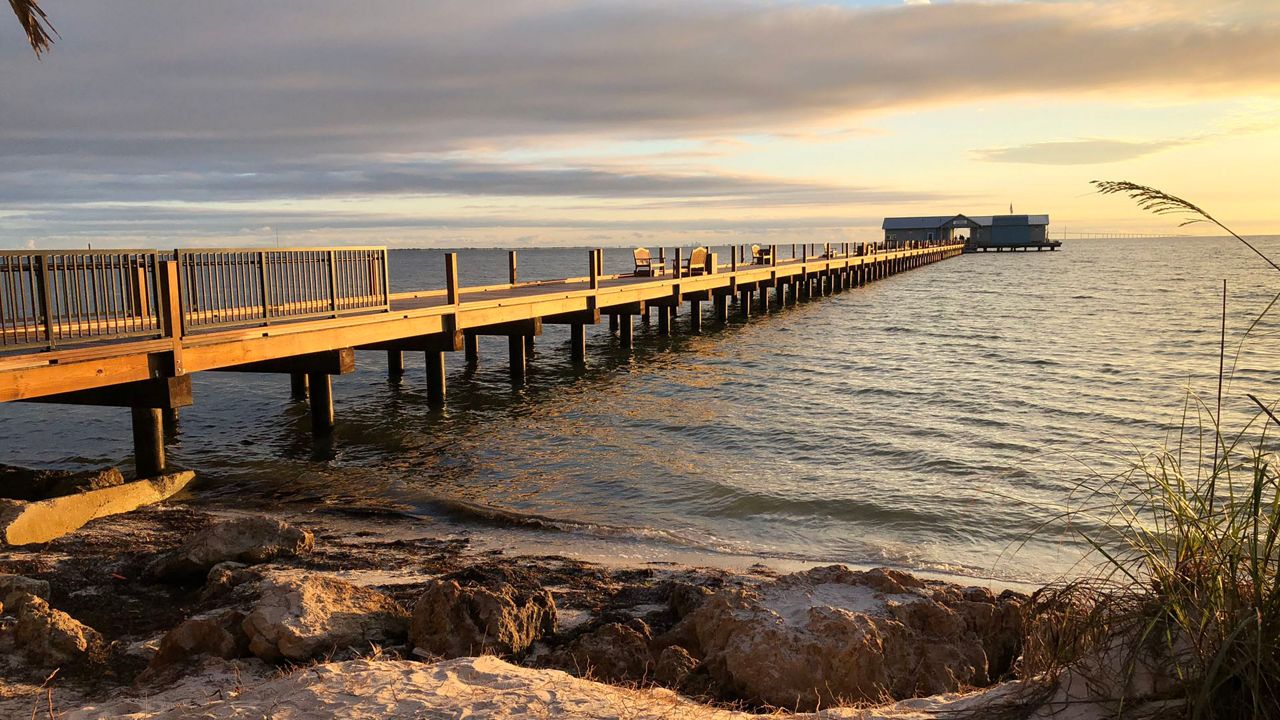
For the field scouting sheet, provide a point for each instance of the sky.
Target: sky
(518, 123)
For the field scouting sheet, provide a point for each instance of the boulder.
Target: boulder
(86, 481)
(49, 637)
(17, 583)
(18, 483)
(299, 618)
(220, 634)
(462, 615)
(685, 598)
(674, 666)
(613, 652)
(832, 635)
(250, 540)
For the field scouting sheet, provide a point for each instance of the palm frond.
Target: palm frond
(1159, 202)
(35, 23)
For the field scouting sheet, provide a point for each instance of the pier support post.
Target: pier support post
(664, 320)
(578, 342)
(744, 303)
(395, 364)
(298, 386)
(764, 300)
(720, 306)
(626, 335)
(435, 377)
(471, 348)
(321, 386)
(169, 421)
(528, 344)
(148, 441)
(695, 316)
(516, 351)
(613, 323)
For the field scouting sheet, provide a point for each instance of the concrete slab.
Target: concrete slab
(24, 523)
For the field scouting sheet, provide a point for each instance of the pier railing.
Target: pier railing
(229, 287)
(62, 297)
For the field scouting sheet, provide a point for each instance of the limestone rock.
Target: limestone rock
(686, 597)
(218, 634)
(674, 666)
(50, 637)
(84, 482)
(20, 483)
(480, 616)
(298, 618)
(613, 652)
(17, 583)
(250, 540)
(832, 635)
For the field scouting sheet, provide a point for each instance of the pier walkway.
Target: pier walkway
(127, 328)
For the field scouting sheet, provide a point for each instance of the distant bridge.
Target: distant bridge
(1110, 234)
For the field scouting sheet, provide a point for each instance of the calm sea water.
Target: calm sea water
(932, 420)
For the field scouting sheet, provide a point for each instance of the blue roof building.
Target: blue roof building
(977, 232)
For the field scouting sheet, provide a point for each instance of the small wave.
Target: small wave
(466, 511)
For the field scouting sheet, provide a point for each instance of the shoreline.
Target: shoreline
(497, 529)
(598, 593)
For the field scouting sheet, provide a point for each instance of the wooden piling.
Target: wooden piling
(578, 342)
(298, 386)
(516, 352)
(435, 377)
(321, 388)
(148, 441)
(471, 348)
(395, 364)
(626, 335)
(695, 316)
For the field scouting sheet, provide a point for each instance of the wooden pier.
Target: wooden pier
(1049, 245)
(127, 328)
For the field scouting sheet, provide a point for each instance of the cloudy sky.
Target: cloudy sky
(559, 122)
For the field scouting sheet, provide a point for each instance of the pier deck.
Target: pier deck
(128, 328)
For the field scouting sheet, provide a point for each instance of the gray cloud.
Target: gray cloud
(1076, 152)
(429, 178)
(231, 100)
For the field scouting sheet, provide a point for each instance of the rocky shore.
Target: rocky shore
(173, 612)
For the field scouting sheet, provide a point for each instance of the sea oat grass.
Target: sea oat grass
(1187, 601)
(1183, 611)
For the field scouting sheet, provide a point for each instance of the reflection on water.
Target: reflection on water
(891, 424)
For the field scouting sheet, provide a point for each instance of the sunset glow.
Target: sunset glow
(569, 123)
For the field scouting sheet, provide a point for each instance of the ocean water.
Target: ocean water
(934, 420)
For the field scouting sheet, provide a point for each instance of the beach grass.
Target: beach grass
(1182, 612)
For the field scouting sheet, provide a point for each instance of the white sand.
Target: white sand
(465, 688)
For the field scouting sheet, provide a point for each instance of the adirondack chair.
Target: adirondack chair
(697, 262)
(645, 266)
(761, 255)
